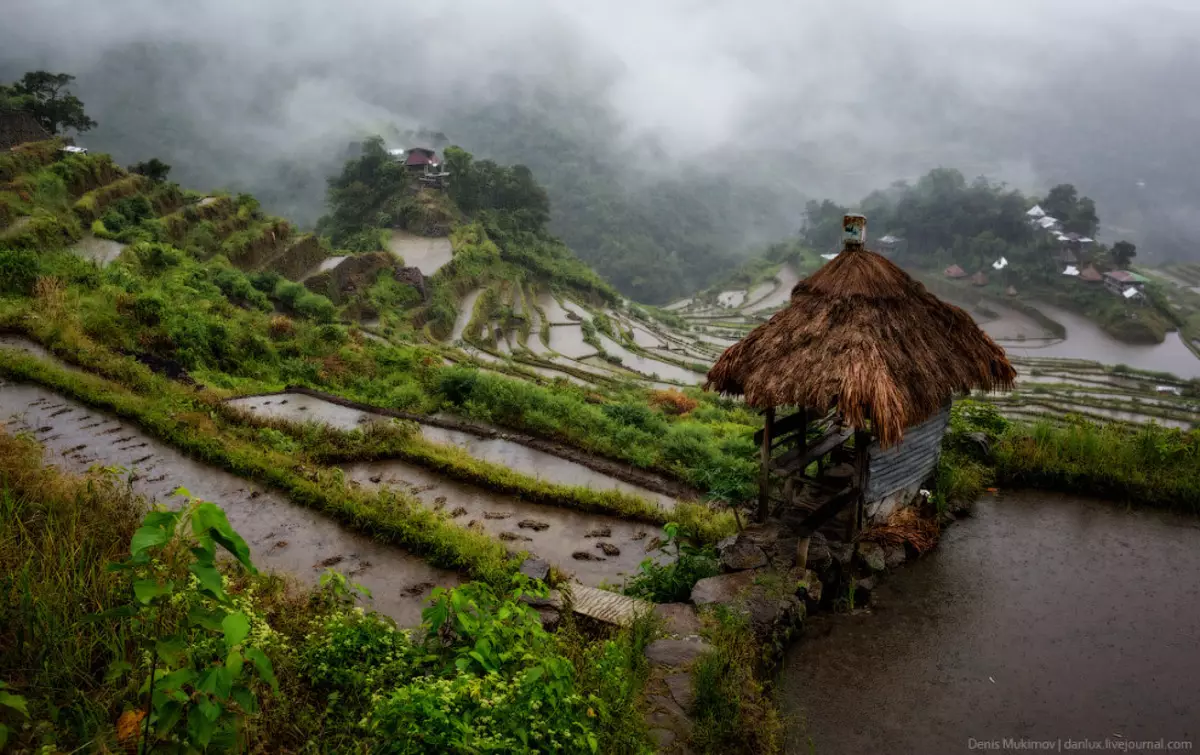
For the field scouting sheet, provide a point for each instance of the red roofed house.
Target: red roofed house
(421, 160)
(1118, 281)
(1090, 274)
(956, 272)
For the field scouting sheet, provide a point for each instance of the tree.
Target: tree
(1060, 202)
(46, 97)
(154, 169)
(1123, 253)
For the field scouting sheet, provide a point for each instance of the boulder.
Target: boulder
(676, 653)
(742, 556)
(872, 555)
(812, 587)
(894, 556)
(550, 617)
(723, 588)
(678, 618)
(863, 589)
(536, 568)
(842, 553)
(819, 555)
(680, 686)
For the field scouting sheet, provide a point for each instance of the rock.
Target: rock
(609, 549)
(460, 511)
(742, 556)
(841, 552)
(678, 618)
(586, 556)
(680, 686)
(550, 617)
(723, 588)
(726, 542)
(663, 738)
(863, 589)
(639, 535)
(510, 537)
(675, 653)
(894, 556)
(654, 544)
(872, 556)
(536, 568)
(600, 532)
(533, 524)
(772, 615)
(819, 555)
(553, 600)
(497, 514)
(981, 446)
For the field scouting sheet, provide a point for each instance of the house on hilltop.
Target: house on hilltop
(1090, 275)
(1120, 282)
(864, 352)
(19, 127)
(426, 165)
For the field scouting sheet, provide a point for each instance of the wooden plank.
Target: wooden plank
(799, 458)
(764, 480)
(788, 424)
(826, 511)
(606, 606)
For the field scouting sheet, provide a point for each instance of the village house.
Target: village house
(1120, 282)
(869, 357)
(955, 272)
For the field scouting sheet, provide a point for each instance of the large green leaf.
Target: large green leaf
(216, 681)
(146, 590)
(167, 716)
(210, 620)
(148, 537)
(171, 649)
(200, 728)
(210, 580)
(15, 702)
(209, 520)
(236, 627)
(263, 664)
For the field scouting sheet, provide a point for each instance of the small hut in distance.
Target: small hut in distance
(863, 354)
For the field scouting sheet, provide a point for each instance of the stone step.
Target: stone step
(608, 607)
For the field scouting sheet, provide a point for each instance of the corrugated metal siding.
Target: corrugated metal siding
(909, 461)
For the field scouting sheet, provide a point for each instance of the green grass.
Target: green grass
(341, 671)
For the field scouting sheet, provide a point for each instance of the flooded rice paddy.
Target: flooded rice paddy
(427, 254)
(299, 407)
(282, 536)
(100, 251)
(1040, 617)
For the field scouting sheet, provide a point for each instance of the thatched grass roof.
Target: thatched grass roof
(860, 335)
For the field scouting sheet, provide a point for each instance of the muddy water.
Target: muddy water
(100, 251)
(677, 305)
(758, 292)
(732, 299)
(299, 407)
(328, 263)
(534, 341)
(422, 252)
(550, 533)
(554, 311)
(1086, 340)
(282, 536)
(1040, 617)
(466, 309)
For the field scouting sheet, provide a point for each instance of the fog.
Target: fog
(807, 99)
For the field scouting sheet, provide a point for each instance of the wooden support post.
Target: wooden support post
(862, 471)
(764, 480)
(802, 554)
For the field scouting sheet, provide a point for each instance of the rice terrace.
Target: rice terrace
(415, 477)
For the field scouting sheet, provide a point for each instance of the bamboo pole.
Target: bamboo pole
(764, 480)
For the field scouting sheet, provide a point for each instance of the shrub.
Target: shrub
(156, 258)
(672, 401)
(316, 307)
(672, 582)
(281, 327)
(148, 309)
(19, 269)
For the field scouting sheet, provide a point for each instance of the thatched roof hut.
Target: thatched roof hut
(954, 271)
(863, 337)
(979, 279)
(1010, 291)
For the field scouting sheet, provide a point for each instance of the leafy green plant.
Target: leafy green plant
(10, 702)
(205, 659)
(672, 582)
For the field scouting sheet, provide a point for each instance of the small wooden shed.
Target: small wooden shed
(862, 355)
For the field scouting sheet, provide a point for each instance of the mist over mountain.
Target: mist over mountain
(670, 135)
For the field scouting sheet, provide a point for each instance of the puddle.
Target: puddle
(466, 309)
(100, 251)
(552, 533)
(1039, 617)
(282, 536)
(534, 341)
(427, 254)
(299, 407)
